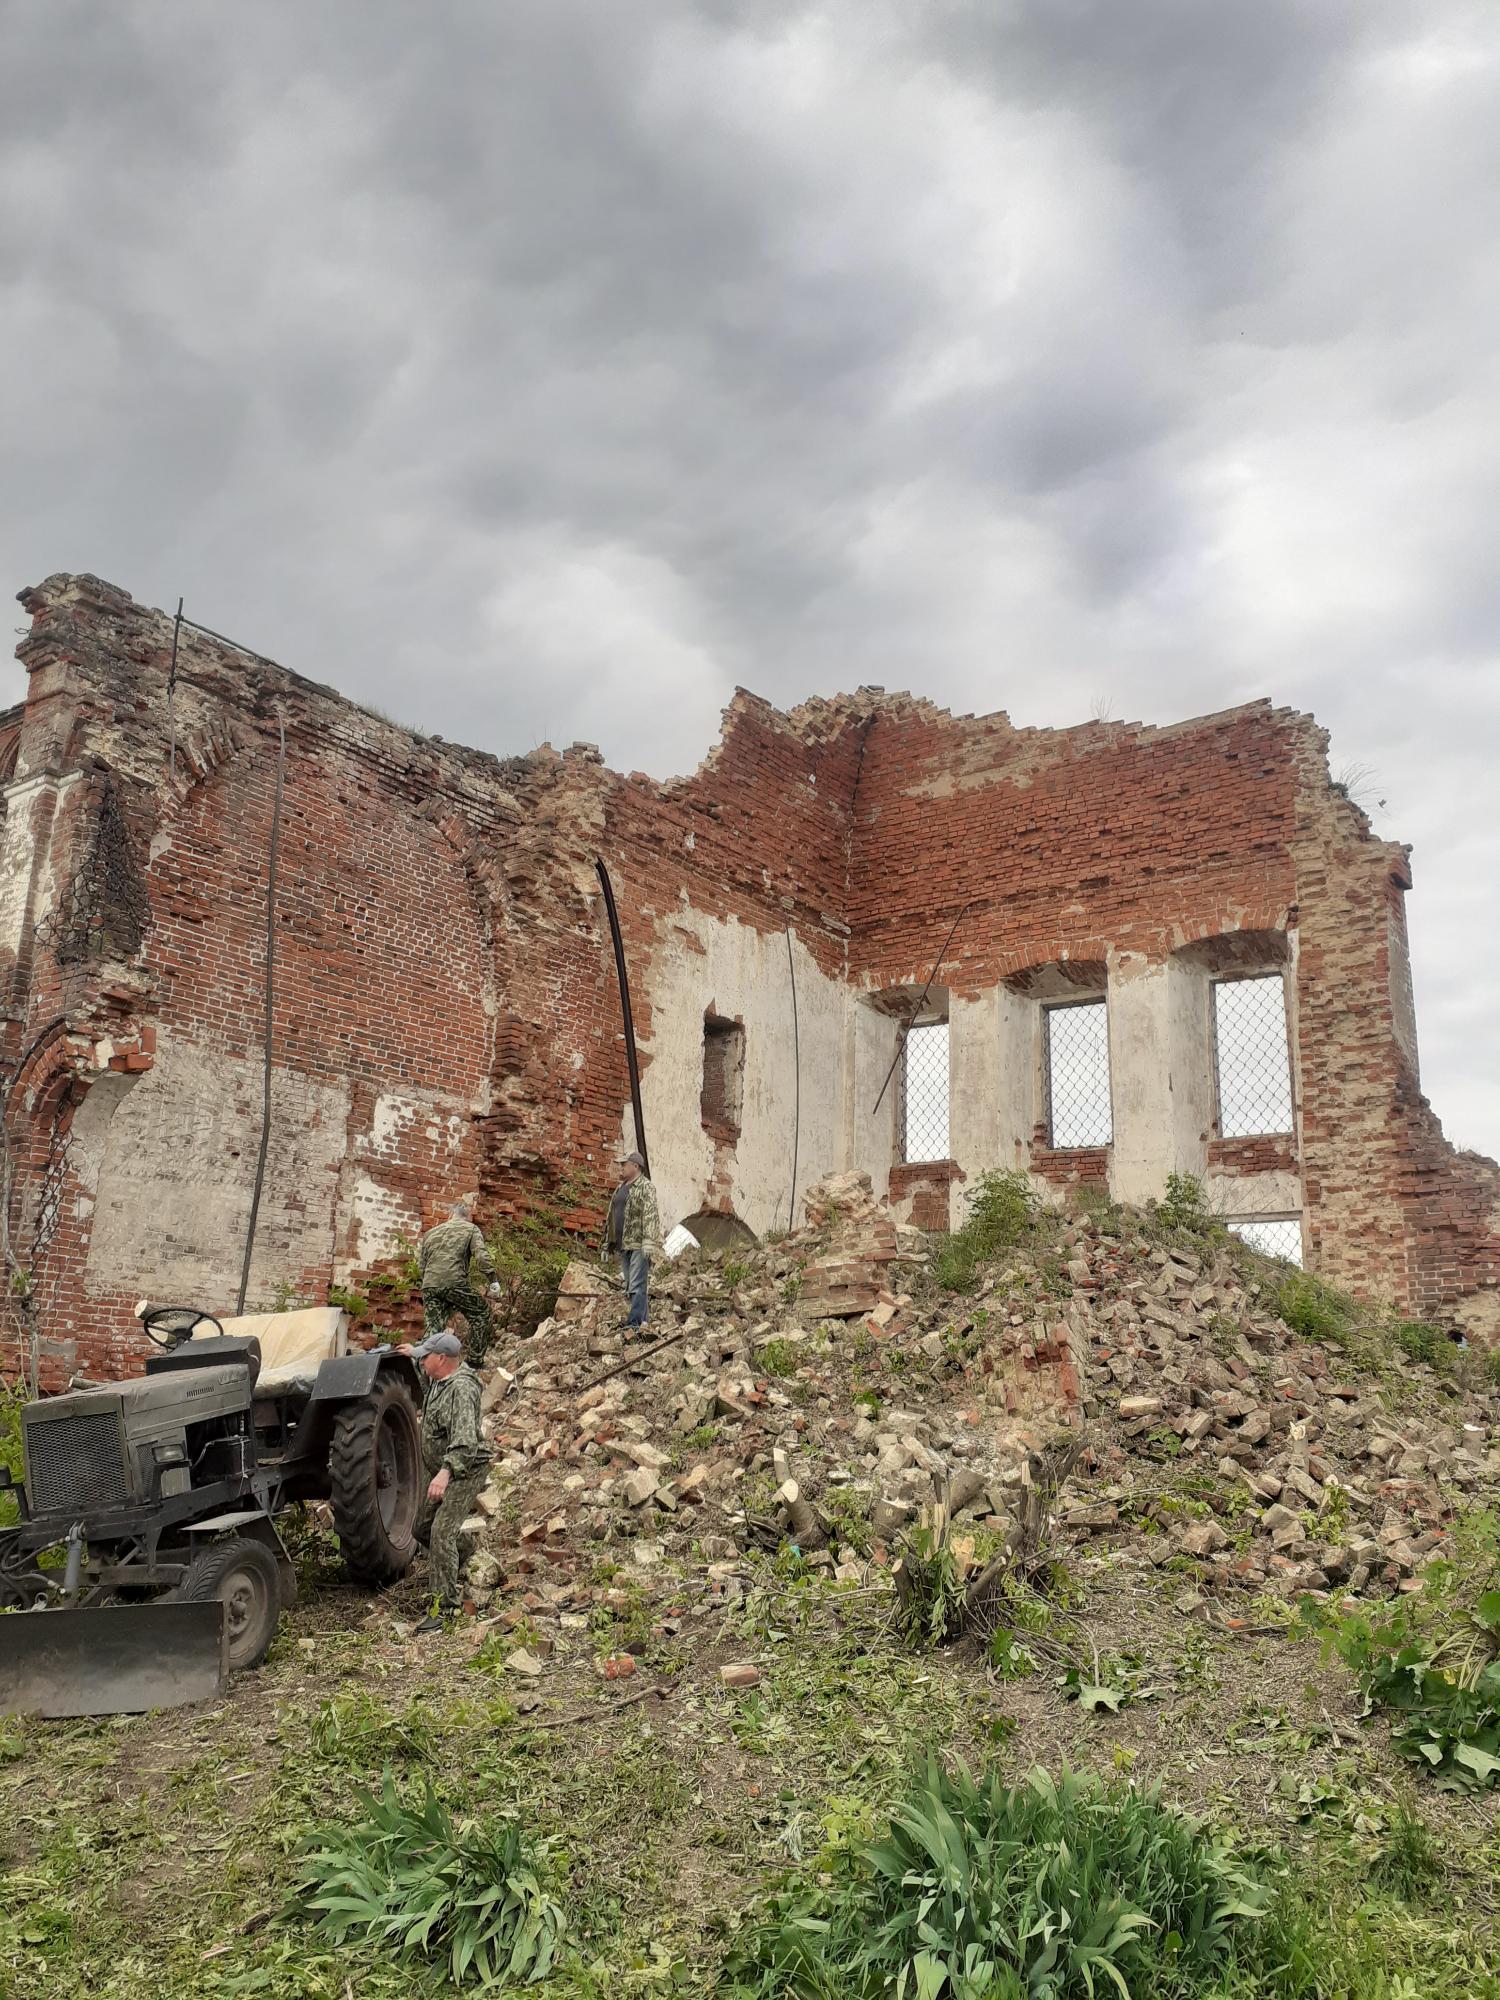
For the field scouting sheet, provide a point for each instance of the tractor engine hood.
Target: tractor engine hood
(96, 1449)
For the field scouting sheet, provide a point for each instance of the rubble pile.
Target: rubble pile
(1314, 1475)
(821, 1391)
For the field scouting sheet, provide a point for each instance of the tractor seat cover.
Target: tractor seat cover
(293, 1345)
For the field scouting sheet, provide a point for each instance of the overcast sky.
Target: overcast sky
(546, 368)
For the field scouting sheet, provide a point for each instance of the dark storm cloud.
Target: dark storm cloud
(547, 369)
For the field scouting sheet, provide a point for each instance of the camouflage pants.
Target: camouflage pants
(439, 1526)
(438, 1308)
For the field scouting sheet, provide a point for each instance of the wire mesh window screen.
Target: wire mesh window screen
(1078, 1106)
(1253, 1060)
(1272, 1239)
(924, 1093)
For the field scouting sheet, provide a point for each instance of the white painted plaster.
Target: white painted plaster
(175, 1170)
(742, 974)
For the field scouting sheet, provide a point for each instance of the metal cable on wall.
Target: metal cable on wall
(791, 1220)
(265, 1116)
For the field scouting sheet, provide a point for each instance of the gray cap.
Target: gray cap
(635, 1160)
(438, 1343)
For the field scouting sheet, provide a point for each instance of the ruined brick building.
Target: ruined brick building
(1176, 949)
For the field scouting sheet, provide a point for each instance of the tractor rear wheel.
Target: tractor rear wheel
(375, 1482)
(243, 1576)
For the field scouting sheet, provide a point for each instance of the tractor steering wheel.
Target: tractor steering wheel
(170, 1326)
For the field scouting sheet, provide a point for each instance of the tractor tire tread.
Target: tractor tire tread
(370, 1554)
(207, 1571)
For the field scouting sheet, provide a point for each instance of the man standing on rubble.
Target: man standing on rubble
(457, 1461)
(443, 1261)
(634, 1230)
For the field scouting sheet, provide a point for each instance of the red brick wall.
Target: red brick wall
(441, 935)
(1068, 842)
(1268, 1153)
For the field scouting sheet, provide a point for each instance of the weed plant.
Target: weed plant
(11, 1404)
(1054, 1889)
(531, 1250)
(403, 1875)
(1435, 1665)
(1003, 1210)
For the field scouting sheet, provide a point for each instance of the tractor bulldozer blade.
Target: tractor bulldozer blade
(119, 1661)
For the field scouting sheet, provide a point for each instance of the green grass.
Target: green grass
(164, 1854)
(1370, 1336)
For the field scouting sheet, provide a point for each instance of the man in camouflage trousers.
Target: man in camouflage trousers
(443, 1261)
(634, 1229)
(456, 1457)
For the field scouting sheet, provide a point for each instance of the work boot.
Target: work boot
(432, 1623)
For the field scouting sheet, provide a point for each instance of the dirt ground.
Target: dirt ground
(161, 1850)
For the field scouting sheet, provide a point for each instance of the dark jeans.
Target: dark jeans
(636, 1265)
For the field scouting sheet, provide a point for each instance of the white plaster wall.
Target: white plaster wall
(871, 1040)
(26, 851)
(1190, 1046)
(742, 974)
(1252, 1194)
(991, 1063)
(172, 1163)
(1160, 1072)
(976, 1105)
(1140, 1077)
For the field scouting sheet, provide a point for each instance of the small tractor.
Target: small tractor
(162, 1494)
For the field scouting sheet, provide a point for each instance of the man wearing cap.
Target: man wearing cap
(457, 1460)
(443, 1263)
(634, 1229)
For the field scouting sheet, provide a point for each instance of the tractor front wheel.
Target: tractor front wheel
(376, 1481)
(243, 1576)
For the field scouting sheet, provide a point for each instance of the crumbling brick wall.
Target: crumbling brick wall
(446, 1016)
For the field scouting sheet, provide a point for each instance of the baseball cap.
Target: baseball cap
(438, 1343)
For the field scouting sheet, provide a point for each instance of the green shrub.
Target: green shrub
(357, 1728)
(1443, 1689)
(1051, 1890)
(470, 1896)
(1002, 1210)
(848, 1519)
(1181, 1209)
(1316, 1310)
(531, 1250)
(777, 1357)
(12, 1402)
(929, 1590)
(352, 1302)
(1419, 1341)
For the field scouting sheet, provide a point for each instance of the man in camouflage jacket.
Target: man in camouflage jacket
(457, 1459)
(635, 1227)
(444, 1261)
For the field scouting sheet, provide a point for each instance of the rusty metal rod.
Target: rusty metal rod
(620, 973)
(908, 1024)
